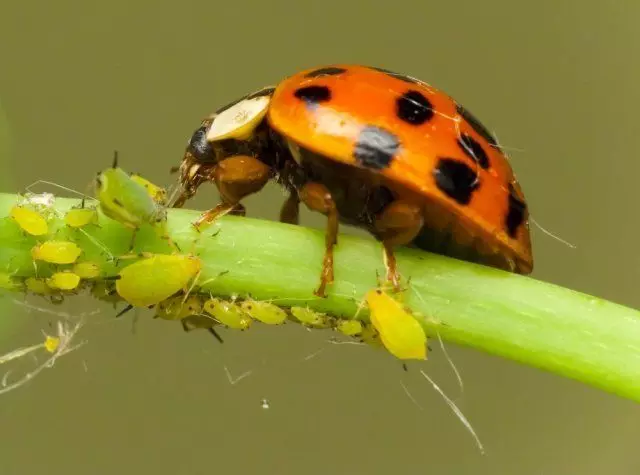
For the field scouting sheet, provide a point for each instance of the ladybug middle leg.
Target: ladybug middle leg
(318, 198)
(236, 178)
(397, 225)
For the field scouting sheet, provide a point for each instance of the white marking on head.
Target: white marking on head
(240, 120)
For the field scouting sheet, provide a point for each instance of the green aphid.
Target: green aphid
(129, 202)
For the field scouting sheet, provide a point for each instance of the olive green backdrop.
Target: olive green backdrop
(558, 82)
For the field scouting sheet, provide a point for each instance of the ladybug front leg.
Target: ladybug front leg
(236, 178)
(318, 198)
(397, 225)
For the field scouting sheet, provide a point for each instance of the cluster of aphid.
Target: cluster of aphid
(133, 202)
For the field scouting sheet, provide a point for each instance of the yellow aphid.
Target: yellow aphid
(177, 308)
(56, 252)
(64, 280)
(9, 282)
(399, 331)
(349, 327)
(80, 217)
(309, 317)
(86, 270)
(30, 221)
(154, 279)
(191, 322)
(51, 343)
(264, 312)
(105, 290)
(38, 286)
(227, 313)
(370, 336)
(157, 193)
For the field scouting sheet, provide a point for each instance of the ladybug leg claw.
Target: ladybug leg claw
(397, 225)
(236, 178)
(318, 198)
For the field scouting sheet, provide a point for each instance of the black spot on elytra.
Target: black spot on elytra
(456, 179)
(313, 94)
(402, 77)
(199, 147)
(473, 150)
(516, 213)
(376, 147)
(328, 71)
(414, 108)
(477, 126)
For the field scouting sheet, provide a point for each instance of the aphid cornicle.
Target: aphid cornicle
(370, 148)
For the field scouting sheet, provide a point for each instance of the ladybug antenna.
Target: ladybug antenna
(115, 159)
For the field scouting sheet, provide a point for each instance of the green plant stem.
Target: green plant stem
(536, 323)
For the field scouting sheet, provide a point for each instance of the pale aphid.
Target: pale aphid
(56, 252)
(178, 308)
(264, 312)
(38, 286)
(349, 327)
(227, 313)
(64, 280)
(153, 279)
(401, 334)
(310, 318)
(29, 220)
(80, 217)
(87, 270)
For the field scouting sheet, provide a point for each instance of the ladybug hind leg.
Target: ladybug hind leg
(397, 225)
(318, 198)
(236, 178)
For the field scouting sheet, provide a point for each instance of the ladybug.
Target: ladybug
(371, 148)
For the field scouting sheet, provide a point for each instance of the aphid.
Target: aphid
(311, 318)
(105, 290)
(400, 332)
(38, 286)
(127, 201)
(10, 282)
(349, 327)
(56, 252)
(156, 278)
(370, 336)
(264, 312)
(81, 217)
(29, 220)
(65, 280)
(51, 343)
(227, 313)
(177, 307)
(86, 270)
(157, 193)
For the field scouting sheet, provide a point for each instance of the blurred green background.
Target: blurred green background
(558, 82)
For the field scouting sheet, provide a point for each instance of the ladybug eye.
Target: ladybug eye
(199, 147)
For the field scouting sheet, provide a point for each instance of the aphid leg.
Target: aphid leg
(132, 242)
(290, 211)
(397, 225)
(318, 198)
(215, 334)
(235, 177)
